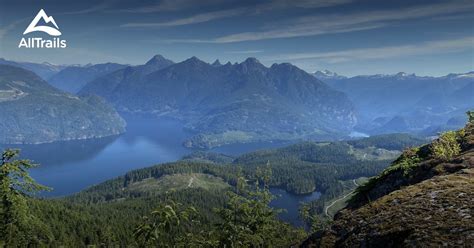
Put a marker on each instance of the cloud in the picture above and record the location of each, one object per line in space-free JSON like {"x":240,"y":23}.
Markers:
{"x":307,"y":4}
{"x":246,"y":52}
{"x":290,"y":33}
{"x":170,"y":5}
{"x":339,"y":23}
{"x":213,"y":15}
{"x":429,"y":47}
{"x":175,"y":5}
{"x":5,"y":29}
{"x":205,"y":17}
{"x":95,"y":8}
{"x":296,"y":31}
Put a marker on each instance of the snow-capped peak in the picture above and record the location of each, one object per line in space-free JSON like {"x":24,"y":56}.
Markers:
{"x":327,"y":74}
{"x":466,"y":75}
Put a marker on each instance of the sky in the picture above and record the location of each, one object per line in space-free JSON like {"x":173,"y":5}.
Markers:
{"x":350,"y":37}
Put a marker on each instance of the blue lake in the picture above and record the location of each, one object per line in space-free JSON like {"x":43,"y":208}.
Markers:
{"x":71,"y":166}
{"x":289,"y":203}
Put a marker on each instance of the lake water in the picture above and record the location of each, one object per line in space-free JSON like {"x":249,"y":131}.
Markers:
{"x":355,"y":134}
{"x":71,"y":166}
{"x":290,"y":204}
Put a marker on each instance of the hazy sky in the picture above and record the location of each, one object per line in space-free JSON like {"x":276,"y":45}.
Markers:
{"x":346,"y":36}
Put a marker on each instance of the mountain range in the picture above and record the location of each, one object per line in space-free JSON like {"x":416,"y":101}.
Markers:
{"x":44,"y":70}
{"x":406,"y":102}
{"x":249,"y":102}
{"x":32,"y":111}
{"x":72,"y":78}
{"x":223,"y":104}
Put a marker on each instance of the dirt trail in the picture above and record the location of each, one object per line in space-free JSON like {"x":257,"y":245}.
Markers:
{"x":339,"y":199}
{"x":191,"y":180}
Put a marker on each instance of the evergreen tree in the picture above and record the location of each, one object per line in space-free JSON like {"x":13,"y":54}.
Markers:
{"x":248,"y":221}
{"x":17,"y":225}
{"x":166,"y":227}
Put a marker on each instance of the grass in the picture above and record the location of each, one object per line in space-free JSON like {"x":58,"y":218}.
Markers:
{"x":361,"y":180}
{"x":408,"y":160}
{"x":373,"y":153}
{"x":175,"y":182}
{"x":341,"y":201}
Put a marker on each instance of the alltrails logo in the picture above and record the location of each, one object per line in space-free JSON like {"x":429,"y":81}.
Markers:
{"x":38,"y":42}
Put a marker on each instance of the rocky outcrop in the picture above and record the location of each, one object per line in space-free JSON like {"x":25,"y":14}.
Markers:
{"x":428,"y":203}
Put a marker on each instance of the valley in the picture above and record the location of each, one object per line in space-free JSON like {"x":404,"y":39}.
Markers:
{"x":231,"y":103}
{"x":405,"y":102}
{"x":208,"y":181}
{"x":199,"y":137}
{"x":237,"y":124}
{"x":146,"y":143}
{"x":225,"y":104}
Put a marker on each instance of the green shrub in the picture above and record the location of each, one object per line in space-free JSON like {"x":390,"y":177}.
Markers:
{"x":407,"y":161}
{"x":447,"y":145}
{"x":470,"y":115}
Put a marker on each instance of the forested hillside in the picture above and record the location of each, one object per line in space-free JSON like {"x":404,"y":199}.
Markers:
{"x":34,"y":112}
{"x":232,"y":103}
{"x":218,"y":200}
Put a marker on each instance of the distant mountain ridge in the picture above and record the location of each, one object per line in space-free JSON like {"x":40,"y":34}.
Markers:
{"x":44,"y":70}
{"x":230,"y":103}
{"x":72,"y":78}
{"x":328,"y":74}
{"x":247,"y":102}
{"x":406,"y":102}
{"x":34,"y":112}
{"x":106,"y":84}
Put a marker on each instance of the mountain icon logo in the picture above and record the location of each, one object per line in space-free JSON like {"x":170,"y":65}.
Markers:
{"x":47,"y":29}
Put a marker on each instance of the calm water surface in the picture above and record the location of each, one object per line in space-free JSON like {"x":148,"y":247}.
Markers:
{"x":290,"y":204}
{"x":71,"y":166}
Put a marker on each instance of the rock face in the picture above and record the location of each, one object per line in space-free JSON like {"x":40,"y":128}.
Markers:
{"x":231,"y":103}
{"x":428,"y":204}
{"x":32,"y":111}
